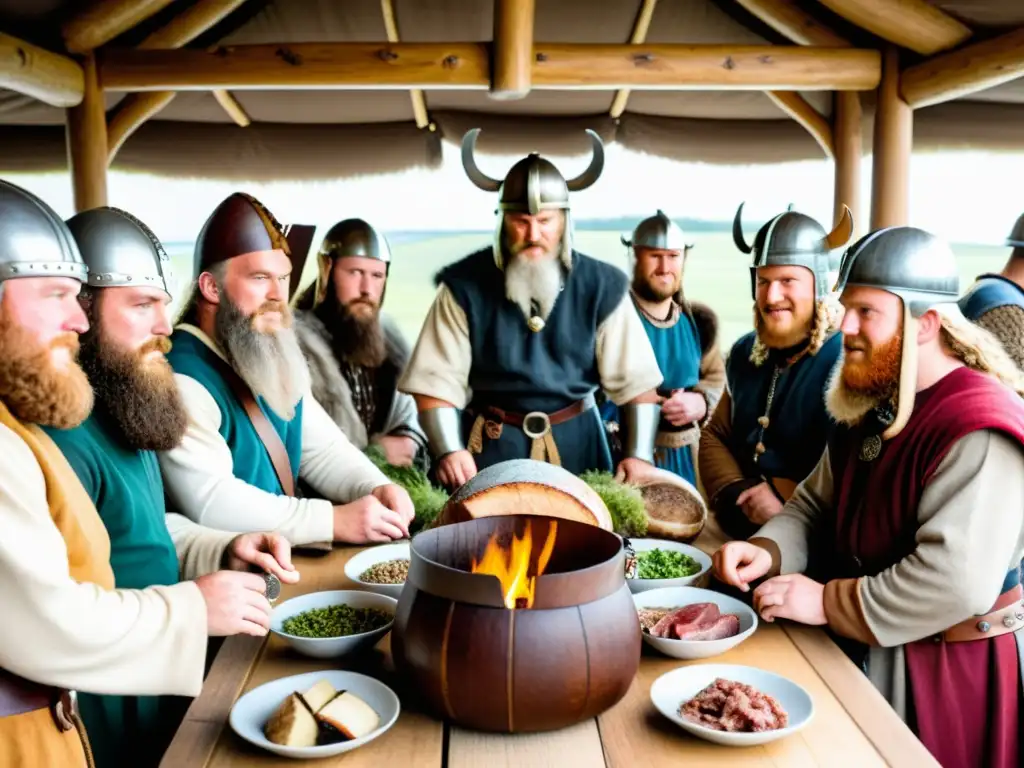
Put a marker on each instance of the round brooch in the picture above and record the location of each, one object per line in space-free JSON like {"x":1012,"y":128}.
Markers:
{"x":870,"y":448}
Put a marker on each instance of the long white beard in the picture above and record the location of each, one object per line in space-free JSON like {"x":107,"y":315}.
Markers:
{"x":271,"y":364}
{"x":533,"y":281}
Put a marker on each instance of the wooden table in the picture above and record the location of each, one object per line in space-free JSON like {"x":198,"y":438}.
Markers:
{"x":853,"y":725}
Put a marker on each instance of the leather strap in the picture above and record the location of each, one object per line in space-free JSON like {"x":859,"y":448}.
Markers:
{"x":264,"y":429}
{"x":1006,"y":616}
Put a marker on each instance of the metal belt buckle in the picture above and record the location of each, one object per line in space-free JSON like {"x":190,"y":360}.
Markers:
{"x":545,"y":424}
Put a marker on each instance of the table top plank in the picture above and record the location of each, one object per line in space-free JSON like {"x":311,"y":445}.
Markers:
{"x":635,"y":733}
{"x":577,"y":746}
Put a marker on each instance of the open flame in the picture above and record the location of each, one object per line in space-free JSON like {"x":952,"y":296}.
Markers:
{"x":511,"y":564}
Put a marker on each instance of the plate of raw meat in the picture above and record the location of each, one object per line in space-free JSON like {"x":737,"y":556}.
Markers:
{"x":731,"y":704}
{"x":693,"y":623}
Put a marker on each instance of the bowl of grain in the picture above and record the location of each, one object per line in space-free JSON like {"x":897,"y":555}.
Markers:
{"x":326,"y":625}
{"x":382,"y":568}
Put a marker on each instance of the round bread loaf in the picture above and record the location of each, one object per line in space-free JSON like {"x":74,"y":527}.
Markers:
{"x":526,"y":487}
{"x":675,"y":508}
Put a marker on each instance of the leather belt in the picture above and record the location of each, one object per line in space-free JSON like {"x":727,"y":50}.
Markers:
{"x":19,"y":696}
{"x":1006,"y":616}
{"x":533,"y":421}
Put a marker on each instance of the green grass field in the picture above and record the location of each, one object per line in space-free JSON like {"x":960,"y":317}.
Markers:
{"x":716,"y":273}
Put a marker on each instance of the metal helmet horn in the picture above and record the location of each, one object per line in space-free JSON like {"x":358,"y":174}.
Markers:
{"x":1016,"y":238}
{"x":793,"y":239}
{"x":120,"y":250}
{"x":915,"y":265}
{"x":34,"y":240}
{"x":532,"y":185}
{"x":350,"y":237}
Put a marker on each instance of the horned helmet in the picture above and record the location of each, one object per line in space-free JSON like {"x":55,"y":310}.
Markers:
{"x":659,"y":232}
{"x":793,"y":239}
{"x":532,"y":185}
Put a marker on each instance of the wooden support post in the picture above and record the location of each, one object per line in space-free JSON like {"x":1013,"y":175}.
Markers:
{"x":33,"y":71}
{"x":103,"y":20}
{"x":848,"y":142}
{"x":87,"y":143}
{"x":797,"y":107}
{"x":416,"y":96}
{"x":640,"y":27}
{"x":893,"y":142}
{"x":512,"y":52}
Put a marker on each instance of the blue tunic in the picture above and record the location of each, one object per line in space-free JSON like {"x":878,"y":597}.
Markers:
{"x":189,"y":356}
{"x":988,"y":293}
{"x":126,"y":487}
{"x":519,"y":370}
{"x":799,"y":423}
{"x":678,"y":351}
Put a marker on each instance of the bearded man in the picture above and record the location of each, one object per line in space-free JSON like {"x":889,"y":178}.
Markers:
{"x":996,"y":301}
{"x":67,"y":626}
{"x":355,"y":353}
{"x":254,"y":429}
{"x":921,"y":494}
{"x":770,"y":427}
{"x":684,"y":337}
{"x":138,"y":411}
{"x":521,"y":335}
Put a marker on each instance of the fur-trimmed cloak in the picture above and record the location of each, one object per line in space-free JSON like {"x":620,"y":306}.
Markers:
{"x":330,"y":389}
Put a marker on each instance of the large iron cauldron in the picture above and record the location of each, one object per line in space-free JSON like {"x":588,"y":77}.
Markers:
{"x":481,"y":665}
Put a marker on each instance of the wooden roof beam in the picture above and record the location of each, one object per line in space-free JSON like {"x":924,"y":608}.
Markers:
{"x":44,"y":75}
{"x":914,"y":24}
{"x":797,"y":107}
{"x":640,"y":27}
{"x":789,"y":20}
{"x":103,"y":20}
{"x":419,"y":101}
{"x":466,"y":66}
{"x":136,"y":108}
{"x":512,"y":50}
{"x":235,"y":110}
{"x":964,"y":71}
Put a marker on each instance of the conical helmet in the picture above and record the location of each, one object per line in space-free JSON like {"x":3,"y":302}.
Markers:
{"x":1016,"y":238}
{"x":532,"y":185}
{"x":793,"y":239}
{"x":120,"y":250}
{"x":659,"y":232}
{"x":350,"y":237}
{"x":34,"y":240}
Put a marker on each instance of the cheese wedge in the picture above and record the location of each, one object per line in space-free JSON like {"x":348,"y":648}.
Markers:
{"x":350,"y":715}
{"x":292,"y":725}
{"x":319,"y":695}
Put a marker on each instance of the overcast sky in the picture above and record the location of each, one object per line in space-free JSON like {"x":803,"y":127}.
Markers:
{"x":966,"y":197}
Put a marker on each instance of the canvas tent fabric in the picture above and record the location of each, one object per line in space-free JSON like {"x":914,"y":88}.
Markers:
{"x":325,"y":134}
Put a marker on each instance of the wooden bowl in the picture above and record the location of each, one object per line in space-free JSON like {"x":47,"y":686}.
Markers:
{"x":481,"y":665}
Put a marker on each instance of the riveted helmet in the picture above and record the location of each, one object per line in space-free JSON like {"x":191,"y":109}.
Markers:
{"x":793,"y":239}
{"x":532,"y":185}
{"x":120,"y":250}
{"x":34,"y":240}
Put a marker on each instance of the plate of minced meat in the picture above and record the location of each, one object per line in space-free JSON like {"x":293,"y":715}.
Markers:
{"x":733,"y":705}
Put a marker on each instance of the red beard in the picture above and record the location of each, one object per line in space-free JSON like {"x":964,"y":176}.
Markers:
{"x":878,"y":372}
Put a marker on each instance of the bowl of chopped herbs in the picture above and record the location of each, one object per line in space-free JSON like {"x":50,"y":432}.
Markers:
{"x":662,"y":563}
{"x":326,"y":625}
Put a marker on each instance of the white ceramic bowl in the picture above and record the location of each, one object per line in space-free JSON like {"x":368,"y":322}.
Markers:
{"x":644,"y":545}
{"x":250,"y":713}
{"x":332,"y":647}
{"x":357,"y":565}
{"x":680,"y":685}
{"x":677,"y":597}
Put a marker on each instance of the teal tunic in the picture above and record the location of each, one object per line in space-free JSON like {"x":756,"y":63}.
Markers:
{"x":190,"y":357}
{"x":126,"y":487}
{"x":678,"y":352}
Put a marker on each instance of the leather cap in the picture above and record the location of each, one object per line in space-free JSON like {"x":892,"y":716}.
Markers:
{"x":239,"y":225}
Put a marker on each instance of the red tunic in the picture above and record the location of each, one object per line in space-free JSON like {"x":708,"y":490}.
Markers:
{"x":964,"y":697}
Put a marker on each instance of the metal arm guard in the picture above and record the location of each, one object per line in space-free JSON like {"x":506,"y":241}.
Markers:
{"x":639,"y":426}
{"x":443,"y":430}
